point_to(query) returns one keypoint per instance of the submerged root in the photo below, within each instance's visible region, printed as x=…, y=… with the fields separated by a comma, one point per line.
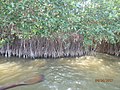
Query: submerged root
x=38, y=47
x=105, y=47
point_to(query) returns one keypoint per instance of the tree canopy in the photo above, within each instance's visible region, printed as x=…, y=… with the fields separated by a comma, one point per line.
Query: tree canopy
x=94, y=19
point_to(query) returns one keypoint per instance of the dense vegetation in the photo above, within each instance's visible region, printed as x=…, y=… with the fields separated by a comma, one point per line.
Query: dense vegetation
x=96, y=20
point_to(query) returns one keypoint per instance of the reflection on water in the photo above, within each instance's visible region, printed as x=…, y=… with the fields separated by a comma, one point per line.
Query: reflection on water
x=63, y=74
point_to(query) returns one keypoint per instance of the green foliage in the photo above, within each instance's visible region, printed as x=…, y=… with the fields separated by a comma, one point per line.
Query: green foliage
x=95, y=19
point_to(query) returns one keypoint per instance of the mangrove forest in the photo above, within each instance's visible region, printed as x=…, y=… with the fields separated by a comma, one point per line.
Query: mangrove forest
x=59, y=28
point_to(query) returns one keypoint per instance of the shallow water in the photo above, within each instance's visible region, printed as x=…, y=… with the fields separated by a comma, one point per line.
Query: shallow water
x=64, y=73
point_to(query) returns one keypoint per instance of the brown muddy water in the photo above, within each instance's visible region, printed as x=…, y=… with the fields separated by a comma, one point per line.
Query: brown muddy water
x=100, y=72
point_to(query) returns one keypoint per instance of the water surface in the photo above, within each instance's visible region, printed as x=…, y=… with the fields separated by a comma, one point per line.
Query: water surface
x=64, y=73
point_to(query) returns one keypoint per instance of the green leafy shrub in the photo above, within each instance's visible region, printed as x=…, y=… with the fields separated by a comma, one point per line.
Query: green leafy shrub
x=96, y=20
